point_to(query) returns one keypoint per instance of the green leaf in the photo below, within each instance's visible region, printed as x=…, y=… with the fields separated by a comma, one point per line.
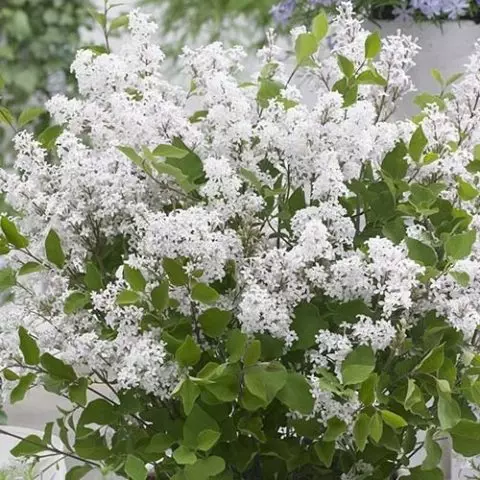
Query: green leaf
x=188, y=353
x=160, y=297
x=305, y=46
x=296, y=394
x=24, y=384
x=11, y=233
x=421, y=252
x=30, y=267
x=376, y=427
x=76, y=301
x=394, y=163
x=437, y=76
x=320, y=26
x=325, y=452
x=236, y=344
x=251, y=178
x=53, y=249
x=346, y=66
x=175, y=272
x=91, y=446
x=134, y=278
x=265, y=380
x=462, y=278
x=119, y=22
x=361, y=431
x=78, y=472
x=29, y=114
x=335, y=428
x=432, y=361
x=371, y=77
x=460, y=246
x=7, y=117
x=203, y=293
x=77, y=392
x=433, y=452
x=30, y=445
x=453, y=78
x=306, y=324
x=197, y=421
x=252, y=353
x=135, y=468
x=207, y=439
x=98, y=411
x=448, y=411
x=48, y=137
x=8, y=278
x=413, y=396
x=466, y=438
x=133, y=156
x=159, y=443
x=93, y=277
x=170, y=151
x=205, y=468
x=184, y=456
x=417, y=144
x=358, y=365
x=214, y=322
x=466, y=191
x=29, y=347
x=128, y=297
x=393, y=420
x=373, y=45
x=188, y=392
x=367, y=393
x=57, y=368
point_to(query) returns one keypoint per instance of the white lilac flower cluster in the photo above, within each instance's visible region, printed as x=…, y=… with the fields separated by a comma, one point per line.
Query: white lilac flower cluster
x=93, y=195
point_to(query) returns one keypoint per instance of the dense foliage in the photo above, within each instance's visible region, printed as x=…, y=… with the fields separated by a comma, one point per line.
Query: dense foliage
x=37, y=45
x=229, y=283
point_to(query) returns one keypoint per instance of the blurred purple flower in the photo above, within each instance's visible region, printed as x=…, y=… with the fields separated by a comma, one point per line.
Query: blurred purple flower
x=283, y=11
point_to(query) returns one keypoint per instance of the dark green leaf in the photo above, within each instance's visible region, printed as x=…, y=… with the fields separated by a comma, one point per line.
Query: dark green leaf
x=128, y=297
x=361, y=430
x=135, y=468
x=432, y=361
x=19, y=392
x=417, y=144
x=78, y=472
x=188, y=353
x=421, y=253
x=30, y=445
x=358, y=365
x=204, y=293
x=12, y=234
x=325, y=452
x=76, y=301
x=460, y=246
x=134, y=278
x=57, y=368
x=449, y=413
x=296, y=394
x=29, y=347
x=160, y=297
x=176, y=273
x=98, y=411
x=214, y=321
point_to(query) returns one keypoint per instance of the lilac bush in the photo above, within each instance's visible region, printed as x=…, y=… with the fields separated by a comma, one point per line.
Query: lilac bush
x=228, y=283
